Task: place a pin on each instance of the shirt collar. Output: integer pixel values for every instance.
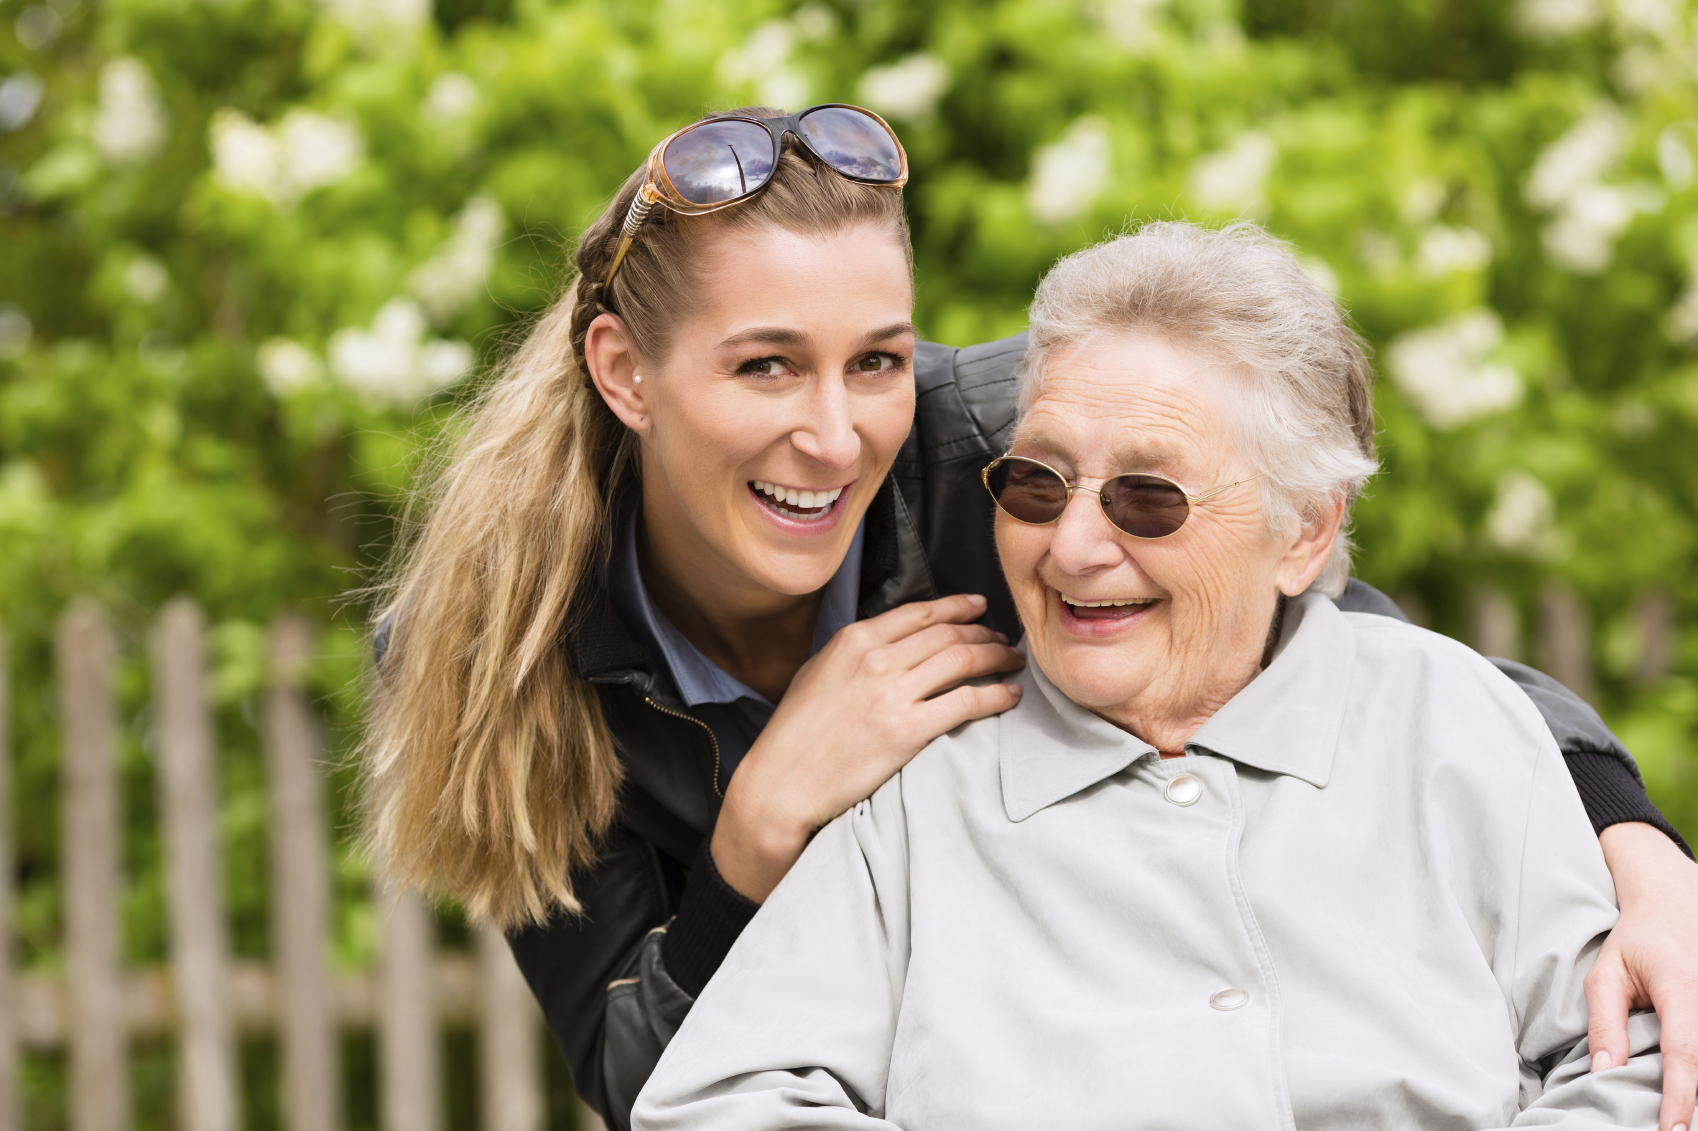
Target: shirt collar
(1287, 721)
(699, 680)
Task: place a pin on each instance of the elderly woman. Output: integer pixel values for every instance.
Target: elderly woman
(1237, 859)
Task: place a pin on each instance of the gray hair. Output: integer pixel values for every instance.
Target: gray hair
(1306, 418)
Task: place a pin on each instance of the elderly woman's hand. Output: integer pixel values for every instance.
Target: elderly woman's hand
(1650, 959)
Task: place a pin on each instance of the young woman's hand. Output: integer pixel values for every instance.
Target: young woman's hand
(854, 715)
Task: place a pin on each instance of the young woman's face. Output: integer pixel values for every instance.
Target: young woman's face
(770, 425)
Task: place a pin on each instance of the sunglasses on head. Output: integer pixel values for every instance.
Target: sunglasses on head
(718, 162)
(1144, 506)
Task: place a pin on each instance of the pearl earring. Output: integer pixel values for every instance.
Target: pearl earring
(638, 379)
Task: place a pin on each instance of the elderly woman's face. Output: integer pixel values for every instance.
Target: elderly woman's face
(1195, 607)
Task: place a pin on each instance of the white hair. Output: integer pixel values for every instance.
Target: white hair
(1306, 414)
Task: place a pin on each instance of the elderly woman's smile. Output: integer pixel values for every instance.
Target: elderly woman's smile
(1154, 634)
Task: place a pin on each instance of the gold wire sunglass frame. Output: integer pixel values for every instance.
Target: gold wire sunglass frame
(658, 187)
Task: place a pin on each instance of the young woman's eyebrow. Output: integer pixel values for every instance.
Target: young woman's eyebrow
(767, 335)
(784, 336)
(894, 330)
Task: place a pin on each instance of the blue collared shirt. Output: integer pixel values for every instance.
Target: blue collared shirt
(734, 711)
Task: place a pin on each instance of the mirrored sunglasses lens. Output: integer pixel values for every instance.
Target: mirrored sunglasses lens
(1028, 491)
(719, 161)
(853, 143)
(1145, 506)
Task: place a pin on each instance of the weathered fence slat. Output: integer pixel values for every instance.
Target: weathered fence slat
(409, 1043)
(300, 888)
(11, 1111)
(1654, 615)
(90, 869)
(1495, 628)
(510, 1077)
(1565, 638)
(207, 1078)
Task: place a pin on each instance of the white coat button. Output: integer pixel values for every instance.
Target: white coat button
(1184, 790)
(1226, 1000)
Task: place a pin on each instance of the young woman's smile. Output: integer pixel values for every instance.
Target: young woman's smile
(758, 466)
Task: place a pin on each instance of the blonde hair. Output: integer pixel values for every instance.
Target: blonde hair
(488, 771)
(1307, 416)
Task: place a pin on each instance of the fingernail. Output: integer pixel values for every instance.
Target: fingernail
(1680, 1127)
(975, 598)
(1003, 637)
(1601, 1061)
(1017, 689)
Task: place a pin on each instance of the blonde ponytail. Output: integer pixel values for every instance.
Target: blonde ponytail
(488, 771)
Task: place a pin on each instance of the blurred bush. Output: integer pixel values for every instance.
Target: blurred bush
(255, 250)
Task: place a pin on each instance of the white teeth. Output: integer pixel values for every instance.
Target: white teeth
(1106, 604)
(795, 497)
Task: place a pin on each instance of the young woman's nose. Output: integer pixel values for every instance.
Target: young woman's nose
(827, 434)
(1082, 541)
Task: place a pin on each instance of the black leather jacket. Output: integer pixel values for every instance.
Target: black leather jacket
(616, 982)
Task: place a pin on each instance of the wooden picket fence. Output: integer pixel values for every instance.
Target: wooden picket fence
(207, 1000)
(203, 997)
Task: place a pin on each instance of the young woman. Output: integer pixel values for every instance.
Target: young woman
(710, 562)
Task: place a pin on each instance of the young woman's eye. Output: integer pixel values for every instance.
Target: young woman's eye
(877, 363)
(765, 367)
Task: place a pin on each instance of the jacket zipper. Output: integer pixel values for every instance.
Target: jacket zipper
(717, 792)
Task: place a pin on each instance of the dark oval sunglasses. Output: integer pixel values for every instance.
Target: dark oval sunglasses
(718, 162)
(1144, 506)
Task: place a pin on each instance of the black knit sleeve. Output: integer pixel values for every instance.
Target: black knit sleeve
(710, 917)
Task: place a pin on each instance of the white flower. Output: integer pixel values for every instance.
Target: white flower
(366, 17)
(1660, 18)
(1567, 179)
(1552, 19)
(453, 276)
(20, 97)
(391, 363)
(450, 98)
(129, 121)
(1681, 325)
(1582, 237)
(1320, 273)
(1674, 157)
(1069, 175)
(1380, 253)
(1131, 24)
(1444, 372)
(244, 153)
(814, 21)
(1578, 158)
(317, 150)
(145, 279)
(303, 152)
(1422, 200)
(764, 62)
(1446, 249)
(287, 365)
(15, 331)
(1641, 67)
(1522, 518)
(1231, 179)
(908, 89)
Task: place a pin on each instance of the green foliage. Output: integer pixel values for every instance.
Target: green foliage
(251, 245)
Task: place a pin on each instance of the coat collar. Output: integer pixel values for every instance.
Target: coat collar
(1287, 721)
